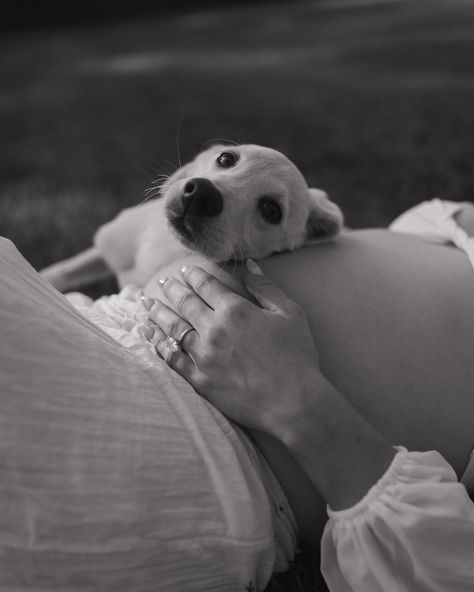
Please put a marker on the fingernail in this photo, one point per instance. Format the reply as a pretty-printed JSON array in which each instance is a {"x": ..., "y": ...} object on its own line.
[
  {"x": 147, "y": 302},
  {"x": 253, "y": 267},
  {"x": 183, "y": 269},
  {"x": 162, "y": 280},
  {"x": 146, "y": 331}
]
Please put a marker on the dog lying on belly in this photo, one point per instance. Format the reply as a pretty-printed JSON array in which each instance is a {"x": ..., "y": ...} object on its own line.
[{"x": 229, "y": 203}]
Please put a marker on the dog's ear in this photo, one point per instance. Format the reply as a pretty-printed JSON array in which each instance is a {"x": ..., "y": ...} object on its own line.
[{"x": 325, "y": 218}]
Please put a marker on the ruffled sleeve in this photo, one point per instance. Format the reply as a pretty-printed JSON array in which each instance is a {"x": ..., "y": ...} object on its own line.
[{"x": 412, "y": 532}]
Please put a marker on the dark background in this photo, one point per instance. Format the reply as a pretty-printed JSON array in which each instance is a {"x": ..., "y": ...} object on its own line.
[
  {"x": 33, "y": 14},
  {"x": 373, "y": 100}
]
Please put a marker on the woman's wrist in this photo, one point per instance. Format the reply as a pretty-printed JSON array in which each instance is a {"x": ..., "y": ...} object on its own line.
[{"x": 342, "y": 453}]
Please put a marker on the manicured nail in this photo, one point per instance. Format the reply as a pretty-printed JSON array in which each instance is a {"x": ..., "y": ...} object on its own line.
[
  {"x": 162, "y": 280},
  {"x": 253, "y": 267},
  {"x": 146, "y": 331},
  {"x": 147, "y": 302}
]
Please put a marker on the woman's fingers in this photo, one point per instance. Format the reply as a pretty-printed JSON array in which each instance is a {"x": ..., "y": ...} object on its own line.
[
  {"x": 265, "y": 291},
  {"x": 172, "y": 324},
  {"x": 211, "y": 290},
  {"x": 184, "y": 302},
  {"x": 174, "y": 340},
  {"x": 178, "y": 360},
  {"x": 169, "y": 330}
]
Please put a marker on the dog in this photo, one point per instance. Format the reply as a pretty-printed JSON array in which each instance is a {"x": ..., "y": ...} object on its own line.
[{"x": 229, "y": 203}]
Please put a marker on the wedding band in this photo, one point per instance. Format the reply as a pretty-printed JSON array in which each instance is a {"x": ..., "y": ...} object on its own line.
[
  {"x": 184, "y": 333},
  {"x": 173, "y": 344}
]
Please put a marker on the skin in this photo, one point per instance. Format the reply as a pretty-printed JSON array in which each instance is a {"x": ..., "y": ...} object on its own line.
[{"x": 388, "y": 360}]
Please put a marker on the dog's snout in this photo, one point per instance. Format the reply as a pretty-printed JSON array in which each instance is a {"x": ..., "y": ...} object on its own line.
[{"x": 202, "y": 198}]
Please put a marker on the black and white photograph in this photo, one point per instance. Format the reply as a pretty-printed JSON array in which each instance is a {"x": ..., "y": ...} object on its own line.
[{"x": 237, "y": 296}]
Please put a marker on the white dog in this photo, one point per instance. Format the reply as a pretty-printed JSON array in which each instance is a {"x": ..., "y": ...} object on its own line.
[{"x": 229, "y": 203}]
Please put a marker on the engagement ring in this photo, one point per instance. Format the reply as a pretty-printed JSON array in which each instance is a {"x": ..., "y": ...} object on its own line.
[{"x": 173, "y": 344}]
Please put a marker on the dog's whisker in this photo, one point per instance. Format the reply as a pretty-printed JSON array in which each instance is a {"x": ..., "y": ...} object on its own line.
[
  {"x": 241, "y": 257},
  {"x": 237, "y": 253},
  {"x": 178, "y": 129},
  {"x": 144, "y": 200},
  {"x": 156, "y": 185},
  {"x": 235, "y": 262},
  {"x": 152, "y": 190},
  {"x": 173, "y": 165},
  {"x": 149, "y": 197},
  {"x": 241, "y": 138},
  {"x": 160, "y": 178}
]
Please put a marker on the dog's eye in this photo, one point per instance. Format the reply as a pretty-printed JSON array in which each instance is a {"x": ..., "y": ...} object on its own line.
[
  {"x": 226, "y": 160},
  {"x": 270, "y": 210}
]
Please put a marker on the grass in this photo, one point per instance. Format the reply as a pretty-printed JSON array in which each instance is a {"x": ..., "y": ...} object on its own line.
[{"x": 374, "y": 104}]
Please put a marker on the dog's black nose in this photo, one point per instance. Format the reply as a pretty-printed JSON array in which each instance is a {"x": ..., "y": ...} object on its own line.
[{"x": 202, "y": 198}]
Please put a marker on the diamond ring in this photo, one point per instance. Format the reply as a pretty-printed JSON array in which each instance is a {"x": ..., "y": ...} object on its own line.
[{"x": 173, "y": 344}]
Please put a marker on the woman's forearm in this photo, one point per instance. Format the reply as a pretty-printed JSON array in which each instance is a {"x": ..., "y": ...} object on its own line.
[{"x": 342, "y": 454}]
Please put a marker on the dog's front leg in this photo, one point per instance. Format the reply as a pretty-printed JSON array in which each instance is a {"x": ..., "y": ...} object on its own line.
[{"x": 82, "y": 269}]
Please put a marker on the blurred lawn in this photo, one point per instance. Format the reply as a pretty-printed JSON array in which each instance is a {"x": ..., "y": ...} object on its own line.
[{"x": 373, "y": 103}]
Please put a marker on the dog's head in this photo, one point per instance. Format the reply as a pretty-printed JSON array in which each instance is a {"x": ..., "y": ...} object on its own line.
[{"x": 234, "y": 202}]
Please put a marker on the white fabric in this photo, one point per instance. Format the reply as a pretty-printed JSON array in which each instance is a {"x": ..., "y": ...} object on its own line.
[
  {"x": 123, "y": 317},
  {"x": 433, "y": 220},
  {"x": 414, "y": 530},
  {"x": 114, "y": 473}
]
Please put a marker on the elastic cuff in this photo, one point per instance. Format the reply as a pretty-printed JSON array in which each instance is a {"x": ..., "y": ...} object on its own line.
[{"x": 390, "y": 477}]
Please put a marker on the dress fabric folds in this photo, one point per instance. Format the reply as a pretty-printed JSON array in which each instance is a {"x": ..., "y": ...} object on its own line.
[{"x": 114, "y": 474}]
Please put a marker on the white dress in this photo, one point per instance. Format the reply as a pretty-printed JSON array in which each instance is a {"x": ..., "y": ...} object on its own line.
[{"x": 414, "y": 530}]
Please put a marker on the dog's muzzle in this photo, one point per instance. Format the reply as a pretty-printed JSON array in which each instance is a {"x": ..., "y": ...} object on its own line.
[{"x": 201, "y": 198}]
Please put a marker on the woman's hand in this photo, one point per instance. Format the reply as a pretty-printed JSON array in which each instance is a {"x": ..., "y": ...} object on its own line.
[{"x": 257, "y": 363}]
